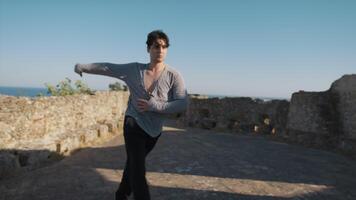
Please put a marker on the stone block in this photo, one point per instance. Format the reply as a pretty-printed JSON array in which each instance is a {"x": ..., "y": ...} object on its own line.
[
  {"x": 103, "y": 131},
  {"x": 68, "y": 144},
  {"x": 208, "y": 123},
  {"x": 112, "y": 127},
  {"x": 91, "y": 135}
]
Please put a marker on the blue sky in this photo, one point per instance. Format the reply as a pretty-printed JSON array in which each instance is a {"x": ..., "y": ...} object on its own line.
[{"x": 239, "y": 48}]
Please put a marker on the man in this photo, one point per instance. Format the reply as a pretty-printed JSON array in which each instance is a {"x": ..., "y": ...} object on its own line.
[{"x": 156, "y": 91}]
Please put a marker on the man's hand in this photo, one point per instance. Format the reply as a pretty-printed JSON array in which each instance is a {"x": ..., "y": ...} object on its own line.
[
  {"x": 78, "y": 70},
  {"x": 142, "y": 105}
]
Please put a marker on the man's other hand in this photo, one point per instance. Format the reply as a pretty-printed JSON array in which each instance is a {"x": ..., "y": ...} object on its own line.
[{"x": 142, "y": 105}]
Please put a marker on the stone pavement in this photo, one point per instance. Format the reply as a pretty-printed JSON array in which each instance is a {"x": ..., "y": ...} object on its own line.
[{"x": 195, "y": 164}]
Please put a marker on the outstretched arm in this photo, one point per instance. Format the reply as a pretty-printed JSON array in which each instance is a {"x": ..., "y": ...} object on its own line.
[{"x": 106, "y": 69}]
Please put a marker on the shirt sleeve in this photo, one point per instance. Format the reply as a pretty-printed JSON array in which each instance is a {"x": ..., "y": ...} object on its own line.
[
  {"x": 107, "y": 69},
  {"x": 178, "y": 103}
]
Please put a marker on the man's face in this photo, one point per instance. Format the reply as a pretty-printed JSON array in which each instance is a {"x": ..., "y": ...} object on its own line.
[{"x": 158, "y": 51}]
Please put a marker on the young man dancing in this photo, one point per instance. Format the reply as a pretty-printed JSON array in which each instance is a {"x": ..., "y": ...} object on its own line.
[{"x": 156, "y": 90}]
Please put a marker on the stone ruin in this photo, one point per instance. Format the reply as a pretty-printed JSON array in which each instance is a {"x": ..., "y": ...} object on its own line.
[
  {"x": 240, "y": 114},
  {"x": 324, "y": 119}
]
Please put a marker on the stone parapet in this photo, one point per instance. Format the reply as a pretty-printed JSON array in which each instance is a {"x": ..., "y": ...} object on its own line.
[
  {"x": 32, "y": 130},
  {"x": 241, "y": 114}
]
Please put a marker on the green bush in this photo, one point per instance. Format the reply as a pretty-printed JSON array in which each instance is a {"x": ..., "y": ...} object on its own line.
[
  {"x": 117, "y": 87},
  {"x": 65, "y": 88}
]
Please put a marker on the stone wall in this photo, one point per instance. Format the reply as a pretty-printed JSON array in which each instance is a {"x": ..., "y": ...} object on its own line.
[
  {"x": 344, "y": 91},
  {"x": 241, "y": 114},
  {"x": 34, "y": 130},
  {"x": 312, "y": 119},
  {"x": 325, "y": 119}
]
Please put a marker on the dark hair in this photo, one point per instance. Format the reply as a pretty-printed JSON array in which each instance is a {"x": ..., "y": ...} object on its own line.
[{"x": 155, "y": 35}]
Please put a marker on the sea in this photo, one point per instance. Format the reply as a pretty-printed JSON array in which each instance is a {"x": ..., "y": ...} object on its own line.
[
  {"x": 23, "y": 91},
  {"x": 33, "y": 92},
  {"x": 261, "y": 98}
]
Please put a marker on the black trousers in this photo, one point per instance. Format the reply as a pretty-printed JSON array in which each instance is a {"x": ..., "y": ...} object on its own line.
[{"x": 138, "y": 144}]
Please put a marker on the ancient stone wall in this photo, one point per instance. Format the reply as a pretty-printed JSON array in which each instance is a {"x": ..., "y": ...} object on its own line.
[
  {"x": 33, "y": 130},
  {"x": 241, "y": 114},
  {"x": 325, "y": 119},
  {"x": 344, "y": 91},
  {"x": 312, "y": 119}
]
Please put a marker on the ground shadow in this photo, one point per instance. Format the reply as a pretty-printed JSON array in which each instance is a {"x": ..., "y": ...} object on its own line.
[{"x": 90, "y": 171}]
